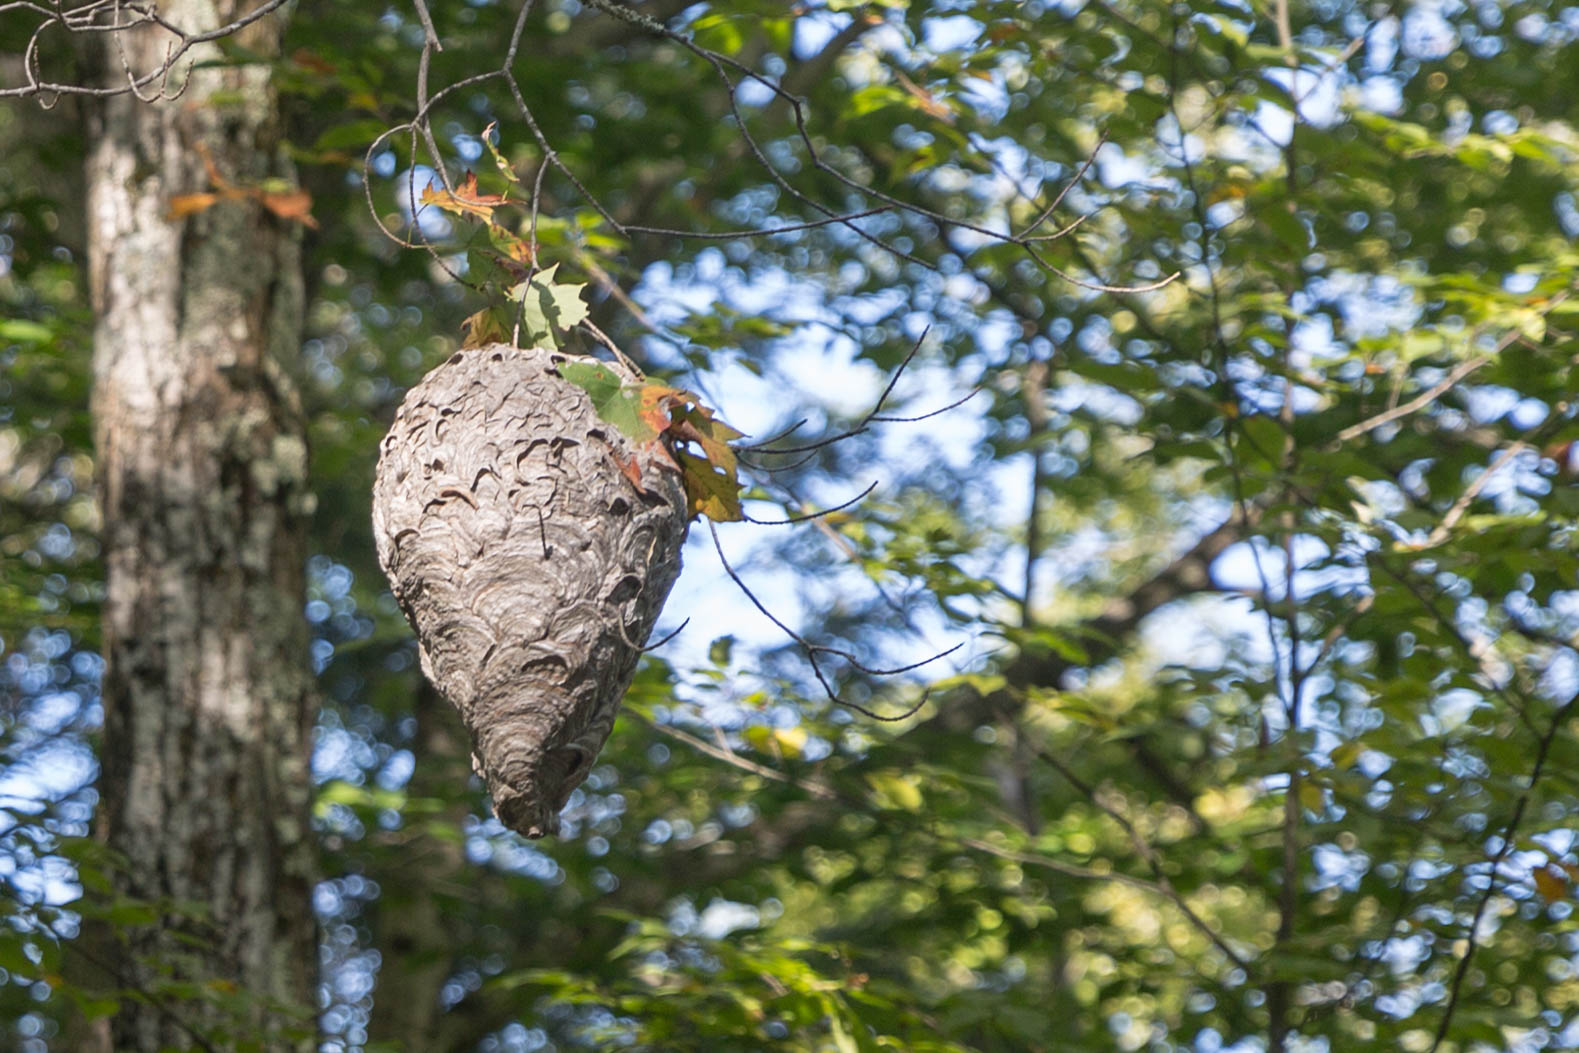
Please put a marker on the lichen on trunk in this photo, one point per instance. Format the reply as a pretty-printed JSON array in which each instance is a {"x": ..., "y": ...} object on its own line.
[
  {"x": 531, "y": 566},
  {"x": 202, "y": 462}
]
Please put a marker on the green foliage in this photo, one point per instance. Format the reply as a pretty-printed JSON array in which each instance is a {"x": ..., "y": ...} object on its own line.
[
  {"x": 1318, "y": 800},
  {"x": 548, "y": 308}
]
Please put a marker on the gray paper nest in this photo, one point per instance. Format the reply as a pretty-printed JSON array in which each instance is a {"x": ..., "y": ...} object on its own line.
[{"x": 531, "y": 569}]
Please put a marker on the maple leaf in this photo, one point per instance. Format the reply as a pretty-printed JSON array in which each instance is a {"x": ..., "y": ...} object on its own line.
[
  {"x": 548, "y": 308},
  {"x": 655, "y": 402},
  {"x": 647, "y": 411},
  {"x": 290, "y": 204},
  {"x": 696, "y": 423},
  {"x": 466, "y": 199},
  {"x": 709, "y": 491},
  {"x": 491, "y": 325},
  {"x": 511, "y": 245},
  {"x": 615, "y": 402}
]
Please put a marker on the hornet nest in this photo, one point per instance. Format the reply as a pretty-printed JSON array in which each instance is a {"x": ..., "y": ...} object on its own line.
[{"x": 531, "y": 549}]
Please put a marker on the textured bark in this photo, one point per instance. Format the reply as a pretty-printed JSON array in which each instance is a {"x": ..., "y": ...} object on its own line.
[
  {"x": 207, "y": 692},
  {"x": 529, "y": 565}
]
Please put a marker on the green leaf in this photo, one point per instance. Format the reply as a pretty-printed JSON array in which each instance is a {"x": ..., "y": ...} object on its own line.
[
  {"x": 548, "y": 309},
  {"x": 353, "y": 133},
  {"x": 24, "y": 332},
  {"x": 615, "y": 401}
]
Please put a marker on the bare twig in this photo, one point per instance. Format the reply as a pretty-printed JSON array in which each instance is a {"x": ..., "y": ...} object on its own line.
[
  {"x": 1471, "y": 934},
  {"x": 678, "y": 630},
  {"x": 893, "y": 381},
  {"x": 1456, "y": 512},
  {"x": 1425, "y": 398},
  {"x": 814, "y": 650},
  {"x": 1448, "y": 382},
  {"x": 1142, "y": 848},
  {"x": 814, "y": 515},
  {"x": 85, "y": 19},
  {"x": 729, "y": 756}
]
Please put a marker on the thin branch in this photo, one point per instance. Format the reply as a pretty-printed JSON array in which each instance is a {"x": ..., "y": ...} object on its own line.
[
  {"x": 1425, "y": 398},
  {"x": 814, "y": 650},
  {"x": 1079, "y": 177},
  {"x": 1059, "y": 866},
  {"x": 1440, "y": 533},
  {"x": 884, "y": 418},
  {"x": 814, "y": 515},
  {"x": 729, "y": 756},
  {"x": 1447, "y": 383},
  {"x": 756, "y": 232},
  {"x": 723, "y": 63},
  {"x": 1475, "y": 652},
  {"x": 614, "y": 349},
  {"x": 678, "y": 630},
  {"x": 1142, "y": 848},
  {"x": 865, "y": 421},
  {"x": 1033, "y": 390},
  {"x": 429, "y": 34},
  {"x": 79, "y": 947},
  {"x": 1338, "y": 633},
  {"x": 1471, "y": 935},
  {"x": 84, "y": 20}
]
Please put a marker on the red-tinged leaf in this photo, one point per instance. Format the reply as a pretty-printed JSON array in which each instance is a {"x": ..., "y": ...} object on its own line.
[
  {"x": 650, "y": 410},
  {"x": 615, "y": 401},
  {"x": 466, "y": 199},
  {"x": 307, "y": 60},
  {"x": 662, "y": 456},
  {"x": 184, "y": 205},
  {"x": 630, "y": 468},
  {"x": 510, "y": 245},
  {"x": 291, "y": 204},
  {"x": 654, "y": 403},
  {"x": 709, "y": 491}
]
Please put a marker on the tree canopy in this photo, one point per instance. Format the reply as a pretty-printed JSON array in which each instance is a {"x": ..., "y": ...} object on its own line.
[{"x": 1256, "y": 532}]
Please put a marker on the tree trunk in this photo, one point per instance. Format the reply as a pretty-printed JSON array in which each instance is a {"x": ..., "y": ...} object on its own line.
[{"x": 207, "y": 693}]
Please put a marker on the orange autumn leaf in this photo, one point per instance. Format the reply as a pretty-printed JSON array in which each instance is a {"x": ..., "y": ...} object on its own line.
[
  {"x": 466, "y": 199},
  {"x": 184, "y": 205},
  {"x": 630, "y": 468},
  {"x": 293, "y": 204},
  {"x": 309, "y": 61},
  {"x": 654, "y": 402}
]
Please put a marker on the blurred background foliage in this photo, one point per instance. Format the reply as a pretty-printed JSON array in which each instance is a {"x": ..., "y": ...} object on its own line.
[{"x": 1262, "y": 736}]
